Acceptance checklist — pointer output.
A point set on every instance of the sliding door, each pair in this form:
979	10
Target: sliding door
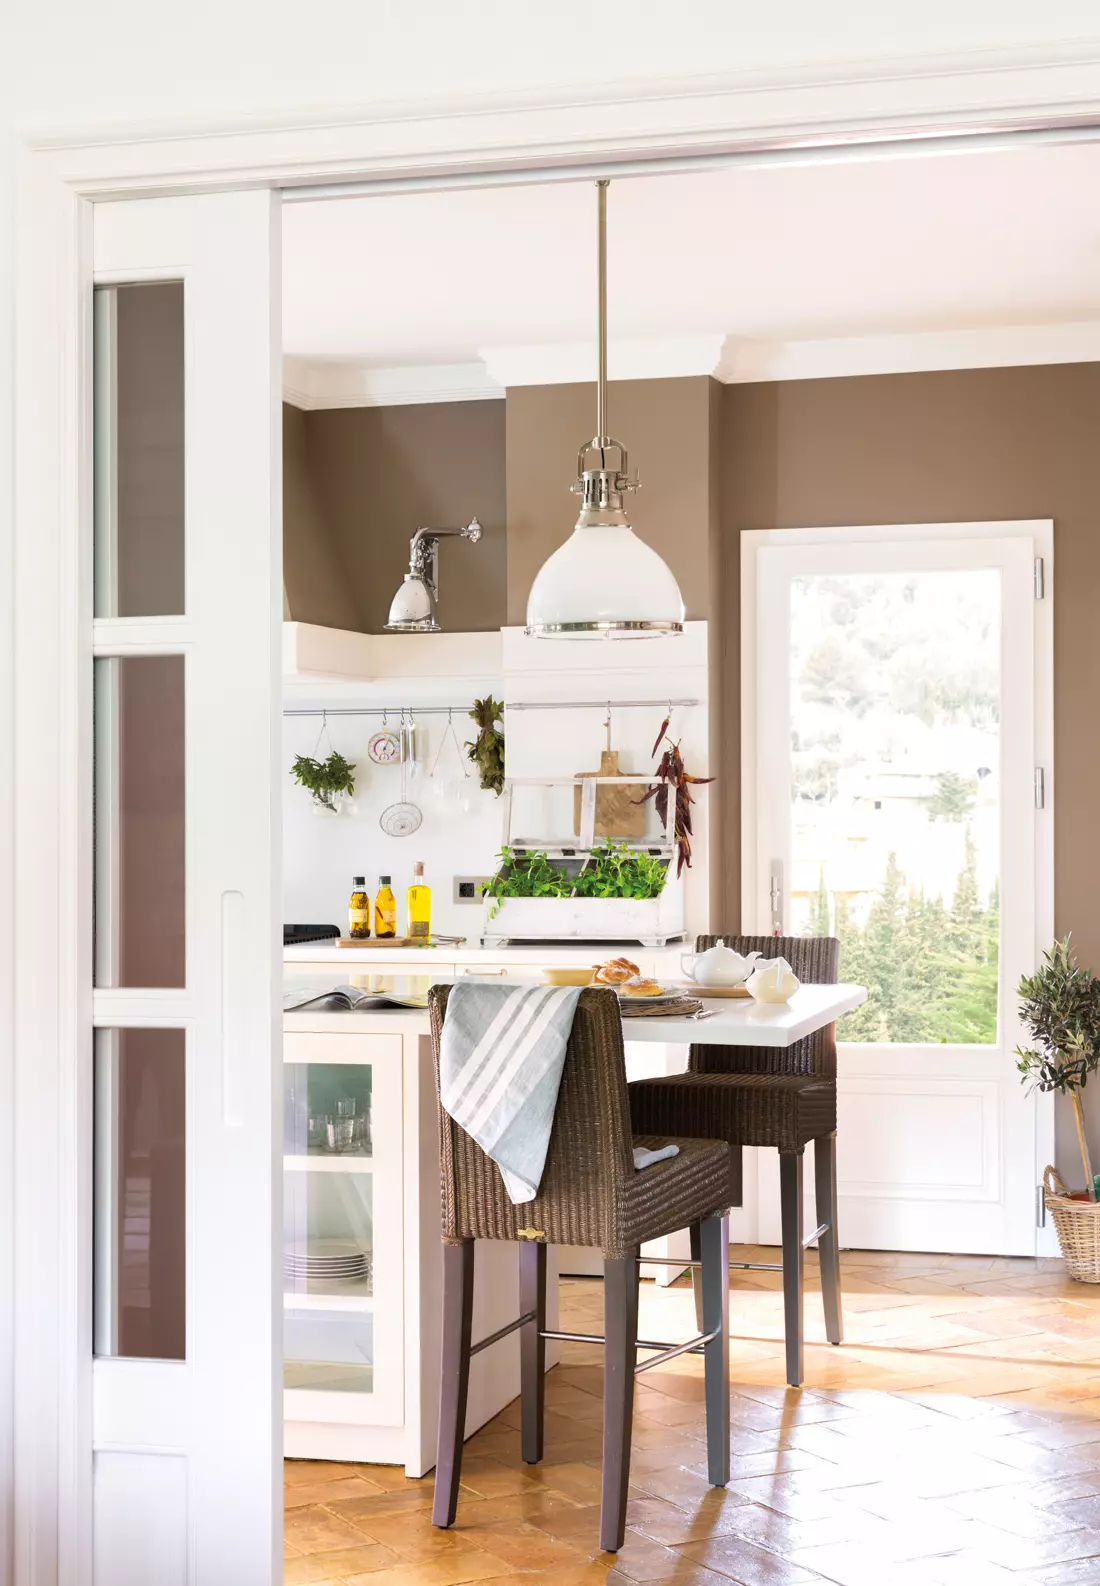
188	1362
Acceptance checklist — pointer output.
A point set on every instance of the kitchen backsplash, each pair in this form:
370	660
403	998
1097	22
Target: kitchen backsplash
322	852
462	827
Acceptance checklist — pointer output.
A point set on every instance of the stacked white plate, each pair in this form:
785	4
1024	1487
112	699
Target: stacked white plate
310	1261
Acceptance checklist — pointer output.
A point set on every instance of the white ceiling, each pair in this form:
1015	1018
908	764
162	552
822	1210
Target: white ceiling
780	255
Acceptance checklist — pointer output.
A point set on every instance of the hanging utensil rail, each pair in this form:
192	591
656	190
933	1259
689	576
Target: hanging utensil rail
523	704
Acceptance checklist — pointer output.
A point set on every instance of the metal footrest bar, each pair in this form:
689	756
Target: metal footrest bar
734	1266
694	1346
502	1332
822	1228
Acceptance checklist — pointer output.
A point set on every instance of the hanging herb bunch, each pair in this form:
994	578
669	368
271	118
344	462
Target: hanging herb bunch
673	779
487	749
328	780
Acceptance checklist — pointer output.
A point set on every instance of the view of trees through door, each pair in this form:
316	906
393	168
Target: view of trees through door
895	794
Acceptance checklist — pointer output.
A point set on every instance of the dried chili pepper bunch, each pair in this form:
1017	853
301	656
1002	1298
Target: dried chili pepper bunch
671	775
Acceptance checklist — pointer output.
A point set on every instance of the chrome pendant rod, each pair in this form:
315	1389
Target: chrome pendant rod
601	312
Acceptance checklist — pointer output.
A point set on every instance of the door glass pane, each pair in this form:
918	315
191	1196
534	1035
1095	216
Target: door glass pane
140	812
139	450
141	1193
895	748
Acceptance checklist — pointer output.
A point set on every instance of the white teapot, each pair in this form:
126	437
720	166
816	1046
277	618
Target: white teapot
773	980
718	966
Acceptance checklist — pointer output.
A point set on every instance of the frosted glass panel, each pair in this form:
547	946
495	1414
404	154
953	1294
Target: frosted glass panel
140	815
141	1193
139	450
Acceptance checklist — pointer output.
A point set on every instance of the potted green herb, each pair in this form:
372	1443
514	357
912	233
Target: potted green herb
1060	1008
617	894
615	871
329	781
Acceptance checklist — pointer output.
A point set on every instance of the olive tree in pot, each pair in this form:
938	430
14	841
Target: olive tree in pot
1060	1008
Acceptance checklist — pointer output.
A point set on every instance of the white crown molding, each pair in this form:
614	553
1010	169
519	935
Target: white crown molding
986	347
730	359
1026	81
639	358
351	385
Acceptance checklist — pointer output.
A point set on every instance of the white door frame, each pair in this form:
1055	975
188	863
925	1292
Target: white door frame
1041	533
45	539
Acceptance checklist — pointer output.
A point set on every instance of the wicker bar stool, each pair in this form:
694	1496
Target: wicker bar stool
591	1194
769	1096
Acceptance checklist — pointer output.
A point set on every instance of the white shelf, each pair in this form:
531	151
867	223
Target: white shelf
328	1164
328	1302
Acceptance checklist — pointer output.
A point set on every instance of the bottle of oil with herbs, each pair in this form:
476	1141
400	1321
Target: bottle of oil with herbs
359	910
420	905
385	911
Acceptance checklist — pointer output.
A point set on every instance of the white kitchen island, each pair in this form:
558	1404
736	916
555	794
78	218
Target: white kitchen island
363	1349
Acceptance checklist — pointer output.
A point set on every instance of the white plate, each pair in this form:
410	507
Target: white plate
665	996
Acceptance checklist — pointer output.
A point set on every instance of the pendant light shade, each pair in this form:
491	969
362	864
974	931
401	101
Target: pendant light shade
604	582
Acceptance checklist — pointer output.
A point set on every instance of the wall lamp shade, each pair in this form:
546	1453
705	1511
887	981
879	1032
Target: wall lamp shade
412	608
604	583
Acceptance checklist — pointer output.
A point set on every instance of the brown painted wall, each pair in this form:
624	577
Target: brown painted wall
314	588
918	448
664	423
359	482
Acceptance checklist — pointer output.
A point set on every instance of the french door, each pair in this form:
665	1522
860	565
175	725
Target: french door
896	745
187	1389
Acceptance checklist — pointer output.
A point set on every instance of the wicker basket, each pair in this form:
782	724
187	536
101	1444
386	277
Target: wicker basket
1078	1225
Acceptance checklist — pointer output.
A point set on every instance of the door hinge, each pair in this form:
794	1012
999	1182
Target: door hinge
1040	579
1040	1206
1040	788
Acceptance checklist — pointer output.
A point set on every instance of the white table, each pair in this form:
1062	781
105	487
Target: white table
744	1022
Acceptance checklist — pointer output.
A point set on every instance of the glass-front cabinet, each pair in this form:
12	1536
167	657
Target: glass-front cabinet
342	1227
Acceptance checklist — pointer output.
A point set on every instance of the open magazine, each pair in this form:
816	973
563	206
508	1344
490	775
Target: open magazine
353	999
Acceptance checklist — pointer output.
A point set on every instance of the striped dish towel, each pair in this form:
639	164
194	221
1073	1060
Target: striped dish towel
500	1064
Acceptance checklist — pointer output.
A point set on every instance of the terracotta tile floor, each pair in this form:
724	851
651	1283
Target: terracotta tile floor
955	1438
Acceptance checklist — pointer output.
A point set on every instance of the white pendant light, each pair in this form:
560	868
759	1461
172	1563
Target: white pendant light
604	582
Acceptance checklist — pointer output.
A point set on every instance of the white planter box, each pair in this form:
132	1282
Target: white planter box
650	921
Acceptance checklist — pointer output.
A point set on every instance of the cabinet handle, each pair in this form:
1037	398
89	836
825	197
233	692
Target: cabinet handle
473	970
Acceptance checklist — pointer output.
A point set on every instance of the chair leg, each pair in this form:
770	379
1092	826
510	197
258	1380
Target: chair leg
715	1244
620	1303
454	1379
532	1348
696	1274
828	1246
790	1202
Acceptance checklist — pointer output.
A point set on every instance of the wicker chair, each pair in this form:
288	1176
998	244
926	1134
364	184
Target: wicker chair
769	1096
591	1194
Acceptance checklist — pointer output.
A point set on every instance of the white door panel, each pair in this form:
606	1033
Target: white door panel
897	703
188	1449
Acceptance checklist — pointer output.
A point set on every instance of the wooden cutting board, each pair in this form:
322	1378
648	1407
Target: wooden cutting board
617	814
398	941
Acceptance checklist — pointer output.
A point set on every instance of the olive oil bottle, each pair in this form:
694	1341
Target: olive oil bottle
359	910
385	911
420	905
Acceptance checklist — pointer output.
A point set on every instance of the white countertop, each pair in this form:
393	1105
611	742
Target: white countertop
729	1023
471	952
